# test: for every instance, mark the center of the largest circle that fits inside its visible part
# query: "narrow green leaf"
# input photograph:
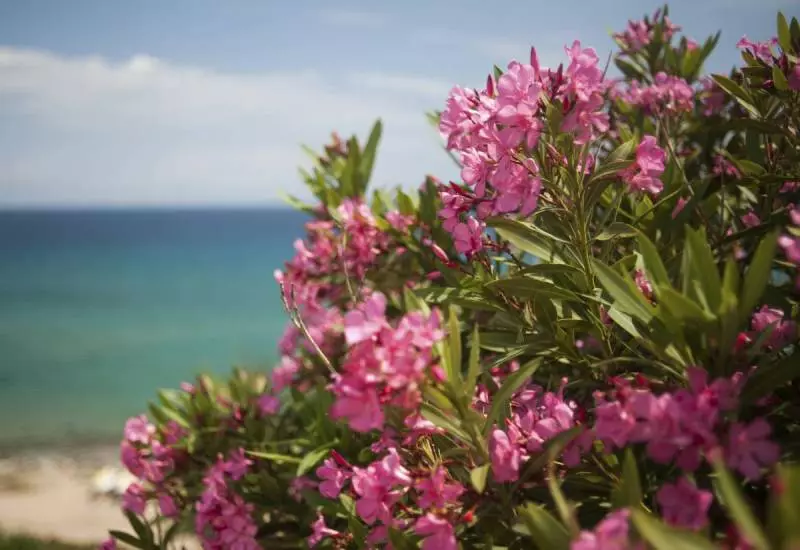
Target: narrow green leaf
(478, 477)
(442, 420)
(664, 537)
(311, 459)
(616, 230)
(784, 34)
(703, 268)
(474, 368)
(274, 457)
(757, 275)
(368, 155)
(739, 509)
(527, 240)
(738, 93)
(453, 363)
(779, 79)
(626, 297)
(127, 538)
(652, 261)
(511, 384)
(529, 287)
(681, 307)
(768, 378)
(543, 528)
(629, 491)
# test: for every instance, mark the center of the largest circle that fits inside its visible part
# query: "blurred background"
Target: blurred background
(144, 147)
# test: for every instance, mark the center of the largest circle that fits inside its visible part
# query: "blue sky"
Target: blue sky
(202, 102)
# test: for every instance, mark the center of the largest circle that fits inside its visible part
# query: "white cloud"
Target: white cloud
(89, 130)
(351, 18)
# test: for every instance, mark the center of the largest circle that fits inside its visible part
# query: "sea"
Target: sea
(101, 308)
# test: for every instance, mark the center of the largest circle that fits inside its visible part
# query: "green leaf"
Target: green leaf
(738, 93)
(628, 492)
(739, 509)
(474, 368)
(142, 531)
(652, 261)
(616, 230)
(275, 457)
(681, 307)
(127, 539)
(368, 156)
(478, 477)
(311, 459)
(784, 34)
(453, 353)
(526, 239)
(544, 529)
(626, 296)
(757, 275)
(784, 508)
(528, 287)
(779, 79)
(703, 268)
(663, 537)
(511, 384)
(768, 378)
(442, 420)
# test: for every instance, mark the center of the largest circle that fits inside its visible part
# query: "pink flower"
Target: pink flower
(684, 505)
(645, 173)
(794, 78)
(361, 406)
(505, 456)
(139, 430)
(134, 499)
(379, 487)
(679, 207)
(791, 247)
(237, 464)
(614, 423)
(438, 532)
(610, 534)
(724, 167)
(643, 283)
(108, 544)
(749, 448)
(268, 404)
(334, 478)
(751, 219)
(760, 50)
(363, 323)
(283, 374)
(398, 221)
(320, 531)
(435, 492)
(468, 236)
(167, 506)
(767, 318)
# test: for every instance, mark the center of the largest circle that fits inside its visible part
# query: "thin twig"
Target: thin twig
(294, 315)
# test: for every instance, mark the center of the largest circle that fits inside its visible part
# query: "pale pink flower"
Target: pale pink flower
(366, 321)
(684, 505)
(320, 531)
(284, 373)
(167, 506)
(751, 219)
(468, 236)
(268, 404)
(436, 492)
(134, 500)
(108, 544)
(610, 534)
(783, 331)
(505, 456)
(438, 532)
(679, 207)
(749, 448)
(334, 478)
(645, 173)
(138, 429)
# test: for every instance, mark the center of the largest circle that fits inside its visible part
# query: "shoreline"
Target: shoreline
(48, 493)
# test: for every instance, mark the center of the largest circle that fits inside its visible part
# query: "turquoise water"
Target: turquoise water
(98, 309)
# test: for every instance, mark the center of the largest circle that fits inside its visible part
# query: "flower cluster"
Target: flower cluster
(491, 130)
(151, 457)
(681, 427)
(790, 243)
(645, 173)
(384, 365)
(667, 95)
(640, 33)
(224, 520)
(609, 534)
(536, 417)
(380, 488)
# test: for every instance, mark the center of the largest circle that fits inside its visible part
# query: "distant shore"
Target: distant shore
(47, 493)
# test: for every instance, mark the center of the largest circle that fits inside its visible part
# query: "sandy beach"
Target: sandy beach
(48, 494)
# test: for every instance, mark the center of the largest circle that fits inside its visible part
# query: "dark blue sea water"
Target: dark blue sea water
(98, 309)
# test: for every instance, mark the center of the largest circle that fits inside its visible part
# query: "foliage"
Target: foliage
(589, 342)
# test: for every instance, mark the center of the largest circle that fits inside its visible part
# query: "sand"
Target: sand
(49, 495)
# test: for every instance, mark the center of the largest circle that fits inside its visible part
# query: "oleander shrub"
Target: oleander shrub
(589, 341)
